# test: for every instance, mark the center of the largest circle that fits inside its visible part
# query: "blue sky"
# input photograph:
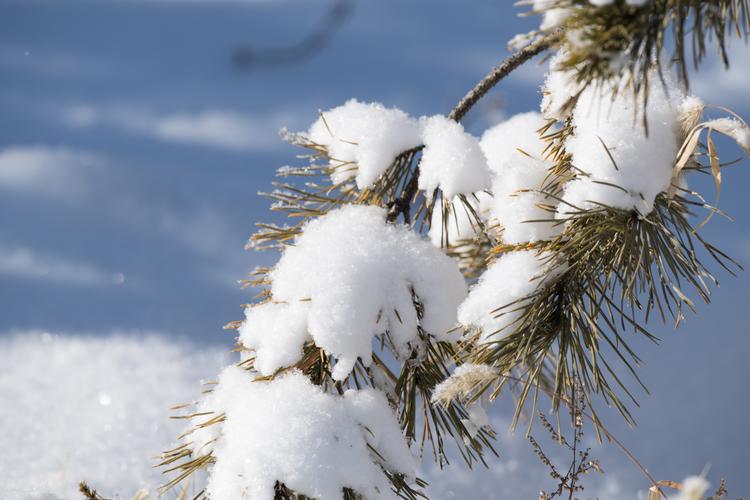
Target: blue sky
(131, 151)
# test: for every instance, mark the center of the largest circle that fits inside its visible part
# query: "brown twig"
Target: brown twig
(501, 71)
(316, 40)
(610, 437)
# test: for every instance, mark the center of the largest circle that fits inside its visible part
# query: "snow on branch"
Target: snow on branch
(495, 302)
(349, 277)
(618, 163)
(363, 139)
(627, 40)
(452, 160)
(517, 157)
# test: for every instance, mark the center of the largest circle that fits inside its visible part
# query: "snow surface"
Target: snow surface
(452, 159)
(364, 273)
(67, 373)
(620, 165)
(289, 430)
(513, 276)
(78, 408)
(363, 139)
(515, 155)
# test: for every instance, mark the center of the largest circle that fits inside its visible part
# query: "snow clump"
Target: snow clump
(512, 277)
(365, 271)
(290, 431)
(452, 159)
(515, 153)
(363, 139)
(620, 164)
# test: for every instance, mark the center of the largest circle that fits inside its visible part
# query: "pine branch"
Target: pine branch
(626, 43)
(402, 204)
(555, 345)
(398, 190)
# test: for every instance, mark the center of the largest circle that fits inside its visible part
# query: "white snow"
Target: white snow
(289, 430)
(477, 420)
(452, 159)
(552, 16)
(693, 488)
(76, 408)
(514, 152)
(692, 106)
(733, 128)
(559, 87)
(513, 276)
(641, 165)
(68, 374)
(363, 139)
(277, 332)
(352, 275)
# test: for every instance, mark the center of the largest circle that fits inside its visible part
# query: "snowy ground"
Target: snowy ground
(89, 408)
(96, 408)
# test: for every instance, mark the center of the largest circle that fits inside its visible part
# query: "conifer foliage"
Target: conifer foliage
(425, 270)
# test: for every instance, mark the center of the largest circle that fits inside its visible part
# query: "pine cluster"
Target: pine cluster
(425, 271)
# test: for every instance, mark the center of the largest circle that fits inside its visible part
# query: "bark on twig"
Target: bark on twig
(499, 72)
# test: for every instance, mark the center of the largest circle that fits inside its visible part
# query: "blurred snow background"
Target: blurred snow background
(131, 149)
(93, 408)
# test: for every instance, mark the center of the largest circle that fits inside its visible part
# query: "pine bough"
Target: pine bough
(427, 270)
